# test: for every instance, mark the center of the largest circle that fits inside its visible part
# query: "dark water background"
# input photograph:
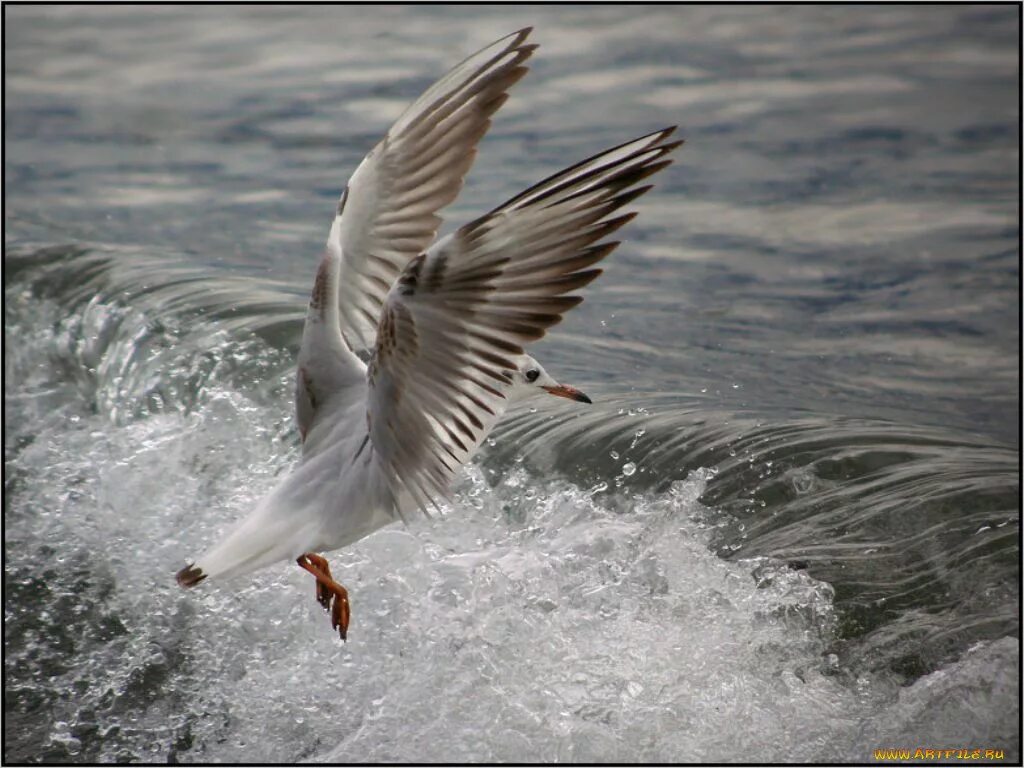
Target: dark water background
(787, 529)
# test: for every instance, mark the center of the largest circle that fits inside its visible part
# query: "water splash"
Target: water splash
(588, 624)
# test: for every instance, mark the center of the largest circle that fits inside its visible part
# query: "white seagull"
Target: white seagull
(444, 322)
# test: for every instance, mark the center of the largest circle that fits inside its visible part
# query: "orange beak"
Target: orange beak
(570, 392)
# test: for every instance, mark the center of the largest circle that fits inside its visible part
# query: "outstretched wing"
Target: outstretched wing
(388, 213)
(460, 313)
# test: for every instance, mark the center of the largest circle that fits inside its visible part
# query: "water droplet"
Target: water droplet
(614, 454)
(628, 468)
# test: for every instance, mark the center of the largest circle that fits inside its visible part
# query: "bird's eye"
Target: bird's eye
(532, 374)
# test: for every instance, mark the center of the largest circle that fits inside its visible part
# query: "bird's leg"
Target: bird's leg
(323, 594)
(326, 588)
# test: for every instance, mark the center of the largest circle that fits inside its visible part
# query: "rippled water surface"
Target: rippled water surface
(788, 528)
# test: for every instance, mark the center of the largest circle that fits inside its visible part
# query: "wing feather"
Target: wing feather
(460, 313)
(388, 213)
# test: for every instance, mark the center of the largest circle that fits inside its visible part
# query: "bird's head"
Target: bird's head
(530, 379)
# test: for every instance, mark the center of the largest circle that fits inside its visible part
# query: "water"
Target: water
(788, 528)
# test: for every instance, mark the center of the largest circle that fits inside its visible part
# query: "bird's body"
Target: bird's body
(336, 495)
(444, 322)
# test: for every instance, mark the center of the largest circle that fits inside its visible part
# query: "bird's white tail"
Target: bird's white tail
(261, 539)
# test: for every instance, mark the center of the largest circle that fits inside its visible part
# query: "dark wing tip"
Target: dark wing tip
(661, 142)
(664, 133)
(189, 576)
(513, 41)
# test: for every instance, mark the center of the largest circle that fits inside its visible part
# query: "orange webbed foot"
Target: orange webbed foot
(323, 593)
(328, 591)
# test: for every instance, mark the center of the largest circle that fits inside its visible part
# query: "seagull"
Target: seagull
(442, 323)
